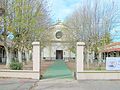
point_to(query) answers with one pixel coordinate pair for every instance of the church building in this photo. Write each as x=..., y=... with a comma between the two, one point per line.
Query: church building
x=59, y=46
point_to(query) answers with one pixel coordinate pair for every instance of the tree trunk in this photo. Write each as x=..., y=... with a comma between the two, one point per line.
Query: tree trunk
x=87, y=59
x=19, y=56
x=27, y=56
x=30, y=55
x=8, y=56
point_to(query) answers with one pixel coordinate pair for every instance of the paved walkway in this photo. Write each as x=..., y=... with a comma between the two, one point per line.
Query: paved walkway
x=58, y=70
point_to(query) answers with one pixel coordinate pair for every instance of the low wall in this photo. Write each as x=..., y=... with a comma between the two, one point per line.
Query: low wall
x=98, y=75
x=29, y=74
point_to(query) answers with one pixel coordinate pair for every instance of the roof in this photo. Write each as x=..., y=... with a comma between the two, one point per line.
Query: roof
x=113, y=44
x=111, y=50
x=112, y=47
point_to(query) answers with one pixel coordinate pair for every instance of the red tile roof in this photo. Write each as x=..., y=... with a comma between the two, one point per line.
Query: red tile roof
x=111, y=50
x=108, y=48
x=113, y=44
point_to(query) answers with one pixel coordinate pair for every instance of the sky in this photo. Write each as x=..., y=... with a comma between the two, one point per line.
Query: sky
x=61, y=9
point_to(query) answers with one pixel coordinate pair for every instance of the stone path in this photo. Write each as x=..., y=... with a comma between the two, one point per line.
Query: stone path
x=58, y=70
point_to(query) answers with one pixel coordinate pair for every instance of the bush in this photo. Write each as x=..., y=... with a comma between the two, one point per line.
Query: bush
x=98, y=68
x=15, y=65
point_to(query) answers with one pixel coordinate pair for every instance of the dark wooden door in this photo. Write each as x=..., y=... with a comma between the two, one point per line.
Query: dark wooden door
x=59, y=54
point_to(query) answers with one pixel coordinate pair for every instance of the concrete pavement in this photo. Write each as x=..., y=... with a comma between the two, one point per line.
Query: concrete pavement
x=57, y=84
x=69, y=84
x=16, y=84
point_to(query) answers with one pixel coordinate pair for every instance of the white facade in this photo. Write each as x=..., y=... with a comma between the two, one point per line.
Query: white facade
x=58, y=47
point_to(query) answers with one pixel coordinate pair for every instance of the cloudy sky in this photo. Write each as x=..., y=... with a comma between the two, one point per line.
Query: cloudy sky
x=62, y=8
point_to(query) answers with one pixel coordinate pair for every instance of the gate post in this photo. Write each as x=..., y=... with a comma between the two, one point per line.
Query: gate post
x=36, y=56
x=79, y=57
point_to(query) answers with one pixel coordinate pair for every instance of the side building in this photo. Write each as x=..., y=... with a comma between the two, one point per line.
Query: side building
x=111, y=50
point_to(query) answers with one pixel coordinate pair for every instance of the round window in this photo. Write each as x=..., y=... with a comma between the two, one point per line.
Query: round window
x=59, y=34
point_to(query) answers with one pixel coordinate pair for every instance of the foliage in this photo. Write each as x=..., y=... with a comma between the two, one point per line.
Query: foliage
x=98, y=69
x=15, y=65
x=105, y=40
x=26, y=20
x=72, y=49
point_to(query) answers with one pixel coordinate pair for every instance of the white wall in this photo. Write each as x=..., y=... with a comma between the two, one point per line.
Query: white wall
x=98, y=75
x=54, y=47
x=46, y=52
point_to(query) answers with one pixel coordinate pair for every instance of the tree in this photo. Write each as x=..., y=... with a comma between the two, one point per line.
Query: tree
x=30, y=21
x=92, y=23
x=4, y=30
x=26, y=20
